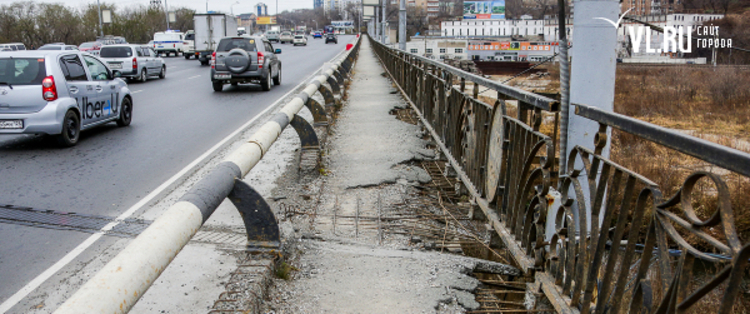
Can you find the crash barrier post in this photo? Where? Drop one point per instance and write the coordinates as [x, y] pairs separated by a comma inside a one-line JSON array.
[[638, 254], [119, 285]]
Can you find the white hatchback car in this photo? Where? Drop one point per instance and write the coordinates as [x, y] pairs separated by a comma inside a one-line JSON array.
[[60, 93], [299, 40]]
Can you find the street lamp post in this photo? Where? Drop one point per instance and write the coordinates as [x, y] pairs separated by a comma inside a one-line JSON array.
[[166, 12], [101, 30], [231, 7], [206, 6]]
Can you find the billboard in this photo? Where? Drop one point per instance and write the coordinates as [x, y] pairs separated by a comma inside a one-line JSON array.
[[368, 11], [266, 20], [513, 45], [484, 10], [343, 24]]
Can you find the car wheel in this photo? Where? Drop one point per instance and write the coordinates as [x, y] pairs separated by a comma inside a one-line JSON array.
[[187, 56], [235, 83], [204, 62], [71, 130], [126, 112], [218, 86], [144, 76], [266, 83], [277, 79], [163, 72]]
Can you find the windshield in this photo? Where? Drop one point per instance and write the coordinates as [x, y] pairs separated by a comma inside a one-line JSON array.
[[115, 52], [286, 33], [22, 71], [247, 44], [86, 45]]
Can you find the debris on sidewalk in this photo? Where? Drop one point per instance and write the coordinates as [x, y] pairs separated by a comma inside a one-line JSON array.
[[382, 228]]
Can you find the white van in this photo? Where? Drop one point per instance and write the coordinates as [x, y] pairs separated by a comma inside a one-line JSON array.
[[168, 42], [12, 47]]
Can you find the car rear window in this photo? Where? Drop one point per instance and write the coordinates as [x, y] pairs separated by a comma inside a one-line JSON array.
[[190, 37], [22, 71], [50, 48], [86, 45], [299, 37], [247, 44], [115, 52]]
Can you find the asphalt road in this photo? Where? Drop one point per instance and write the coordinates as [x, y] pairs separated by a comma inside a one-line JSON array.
[[175, 120]]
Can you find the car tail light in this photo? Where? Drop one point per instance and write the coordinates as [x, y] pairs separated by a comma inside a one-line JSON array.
[[174, 45], [261, 60], [213, 60], [135, 63], [49, 91]]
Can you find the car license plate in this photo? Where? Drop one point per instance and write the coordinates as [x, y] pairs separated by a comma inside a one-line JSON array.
[[115, 66], [222, 76], [160, 46], [11, 124]]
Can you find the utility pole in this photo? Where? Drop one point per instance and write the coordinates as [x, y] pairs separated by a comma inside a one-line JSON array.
[[382, 27], [377, 24], [592, 80], [166, 12], [101, 30], [402, 26]]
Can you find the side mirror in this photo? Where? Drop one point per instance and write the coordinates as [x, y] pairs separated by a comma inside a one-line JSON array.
[[116, 73], [278, 51]]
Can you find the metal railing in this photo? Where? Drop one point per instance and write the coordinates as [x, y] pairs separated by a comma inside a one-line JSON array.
[[119, 285], [624, 263]]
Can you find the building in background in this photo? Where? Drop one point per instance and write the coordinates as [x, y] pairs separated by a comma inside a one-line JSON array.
[[318, 4], [261, 9], [247, 20]]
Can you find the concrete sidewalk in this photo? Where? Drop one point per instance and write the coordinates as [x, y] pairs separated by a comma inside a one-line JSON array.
[[342, 260]]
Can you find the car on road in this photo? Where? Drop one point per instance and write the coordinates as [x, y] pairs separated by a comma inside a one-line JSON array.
[[272, 35], [331, 38], [91, 47], [58, 46], [13, 46], [245, 59], [168, 42], [135, 62], [317, 34], [59, 93], [299, 40], [286, 37], [188, 45]]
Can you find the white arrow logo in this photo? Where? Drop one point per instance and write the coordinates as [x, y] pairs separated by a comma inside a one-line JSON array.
[[616, 25]]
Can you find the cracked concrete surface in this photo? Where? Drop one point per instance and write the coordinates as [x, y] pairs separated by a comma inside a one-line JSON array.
[[345, 266]]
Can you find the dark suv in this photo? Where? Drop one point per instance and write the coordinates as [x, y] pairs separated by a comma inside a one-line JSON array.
[[245, 59], [331, 37]]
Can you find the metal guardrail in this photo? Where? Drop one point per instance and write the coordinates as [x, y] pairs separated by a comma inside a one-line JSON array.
[[119, 285], [508, 167]]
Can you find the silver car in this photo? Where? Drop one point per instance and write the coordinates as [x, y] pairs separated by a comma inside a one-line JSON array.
[[134, 61], [245, 59], [60, 93]]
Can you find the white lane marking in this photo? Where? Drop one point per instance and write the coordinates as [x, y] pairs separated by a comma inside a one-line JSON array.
[[136, 92], [194, 76], [49, 272]]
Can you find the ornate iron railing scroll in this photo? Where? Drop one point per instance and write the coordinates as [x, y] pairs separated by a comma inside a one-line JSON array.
[[616, 244]]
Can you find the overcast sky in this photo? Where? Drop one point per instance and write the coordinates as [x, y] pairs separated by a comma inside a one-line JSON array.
[[245, 6]]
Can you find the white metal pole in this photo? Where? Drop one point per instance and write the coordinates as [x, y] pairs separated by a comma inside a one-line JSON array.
[[382, 27], [166, 12], [592, 80], [101, 30], [402, 25]]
